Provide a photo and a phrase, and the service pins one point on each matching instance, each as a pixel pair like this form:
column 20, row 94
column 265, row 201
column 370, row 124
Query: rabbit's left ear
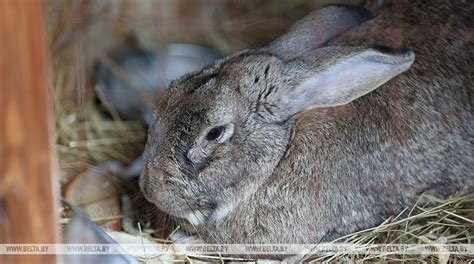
column 316, row 29
column 331, row 76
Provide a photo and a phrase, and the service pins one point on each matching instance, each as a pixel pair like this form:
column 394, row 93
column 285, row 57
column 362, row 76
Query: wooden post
column 28, row 184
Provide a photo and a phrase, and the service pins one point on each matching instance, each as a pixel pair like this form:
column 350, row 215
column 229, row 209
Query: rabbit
column 329, row 129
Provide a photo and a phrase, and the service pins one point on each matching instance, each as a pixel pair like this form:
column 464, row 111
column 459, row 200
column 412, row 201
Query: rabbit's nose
column 149, row 189
column 145, row 186
column 152, row 181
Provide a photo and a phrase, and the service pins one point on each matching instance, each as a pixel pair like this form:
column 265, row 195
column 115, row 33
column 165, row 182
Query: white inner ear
column 350, row 79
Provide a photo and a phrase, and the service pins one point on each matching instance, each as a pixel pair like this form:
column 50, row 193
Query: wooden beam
column 27, row 164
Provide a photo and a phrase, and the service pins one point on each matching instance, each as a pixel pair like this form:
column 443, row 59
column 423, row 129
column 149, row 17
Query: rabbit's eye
column 215, row 133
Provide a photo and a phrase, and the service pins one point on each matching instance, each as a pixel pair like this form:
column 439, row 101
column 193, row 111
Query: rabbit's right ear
column 317, row 28
column 327, row 77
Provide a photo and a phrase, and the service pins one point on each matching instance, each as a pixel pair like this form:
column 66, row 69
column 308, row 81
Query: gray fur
column 328, row 171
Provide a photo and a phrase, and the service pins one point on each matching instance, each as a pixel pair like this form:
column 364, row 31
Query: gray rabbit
column 303, row 141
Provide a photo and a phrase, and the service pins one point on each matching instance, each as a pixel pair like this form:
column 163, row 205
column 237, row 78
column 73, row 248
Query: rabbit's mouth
column 221, row 212
column 197, row 218
column 200, row 217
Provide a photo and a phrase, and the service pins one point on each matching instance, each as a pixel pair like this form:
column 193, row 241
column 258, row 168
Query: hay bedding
column 91, row 134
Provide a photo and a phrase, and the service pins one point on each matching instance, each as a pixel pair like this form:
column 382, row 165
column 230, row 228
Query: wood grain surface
column 27, row 163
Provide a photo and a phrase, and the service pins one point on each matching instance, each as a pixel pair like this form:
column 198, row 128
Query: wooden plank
column 27, row 164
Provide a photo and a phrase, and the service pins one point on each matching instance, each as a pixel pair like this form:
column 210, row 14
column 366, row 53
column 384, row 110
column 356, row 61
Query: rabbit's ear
column 333, row 76
column 317, row 28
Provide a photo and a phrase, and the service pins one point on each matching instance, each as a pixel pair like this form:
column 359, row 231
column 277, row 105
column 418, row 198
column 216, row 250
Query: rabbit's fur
column 299, row 160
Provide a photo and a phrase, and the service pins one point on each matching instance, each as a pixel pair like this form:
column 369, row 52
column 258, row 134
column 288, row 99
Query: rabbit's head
column 220, row 133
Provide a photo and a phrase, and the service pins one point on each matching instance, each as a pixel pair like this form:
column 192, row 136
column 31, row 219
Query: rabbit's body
column 370, row 159
column 328, row 171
